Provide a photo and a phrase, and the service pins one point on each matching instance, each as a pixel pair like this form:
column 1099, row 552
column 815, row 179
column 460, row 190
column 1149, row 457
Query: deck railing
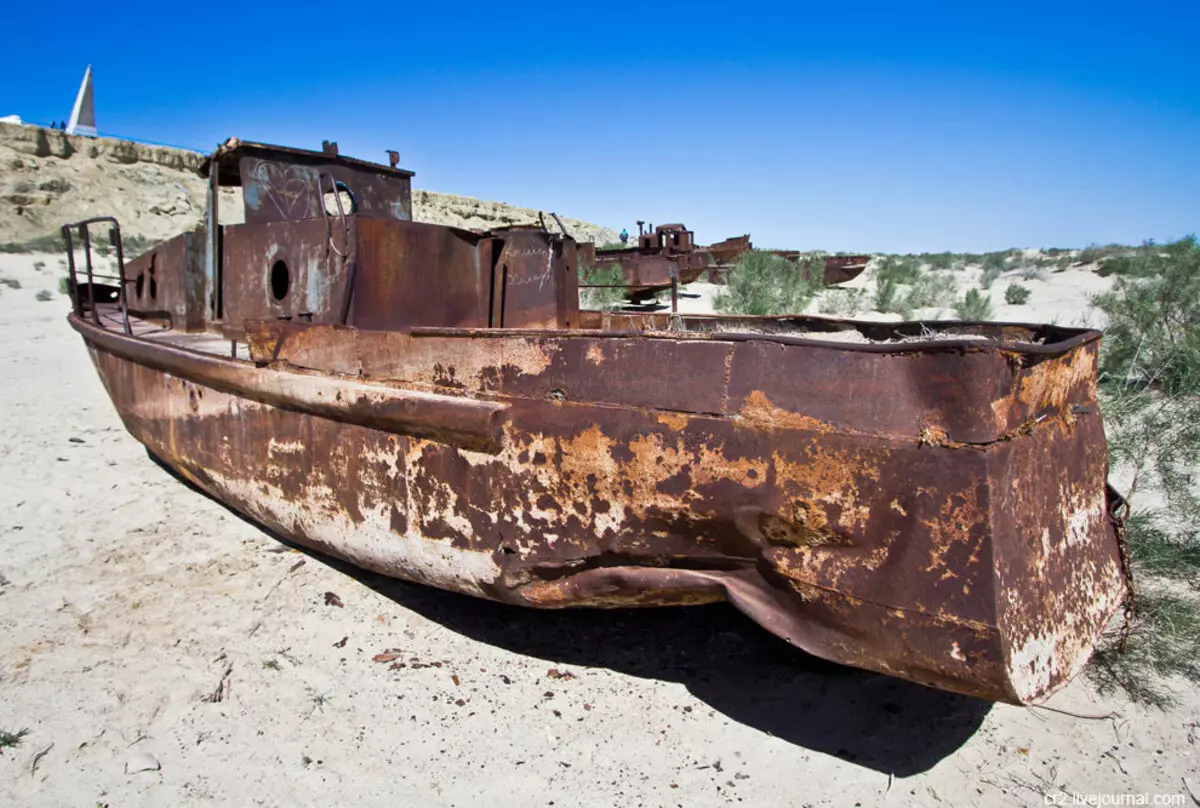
column 114, row 239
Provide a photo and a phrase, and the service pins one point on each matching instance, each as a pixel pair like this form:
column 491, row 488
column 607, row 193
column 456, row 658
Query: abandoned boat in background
column 667, row 257
column 432, row 404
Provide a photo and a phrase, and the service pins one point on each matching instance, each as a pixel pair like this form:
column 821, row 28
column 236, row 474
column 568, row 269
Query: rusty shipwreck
column 924, row 500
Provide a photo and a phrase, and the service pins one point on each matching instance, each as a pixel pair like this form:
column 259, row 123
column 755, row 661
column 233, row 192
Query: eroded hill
column 48, row 177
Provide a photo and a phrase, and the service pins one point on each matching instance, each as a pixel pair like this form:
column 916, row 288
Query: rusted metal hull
column 931, row 511
column 645, row 273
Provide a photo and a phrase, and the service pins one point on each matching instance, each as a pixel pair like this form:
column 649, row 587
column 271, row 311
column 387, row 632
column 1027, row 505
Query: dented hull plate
column 945, row 521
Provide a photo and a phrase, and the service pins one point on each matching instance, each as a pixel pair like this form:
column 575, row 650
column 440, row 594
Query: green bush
column 887, row 294
column 64, row 285
column 763, row 283
column 1016, row 295
column 11, row 283
column 933, row 289
column 610, row 246
column 898, row 270
column 51, row 242
column 997, row 261
column 975, row 305
column 1150, row 395
column 44, row 294
column 942, row 260
column 842, row 302
column 602, row 298
column 1094, row 253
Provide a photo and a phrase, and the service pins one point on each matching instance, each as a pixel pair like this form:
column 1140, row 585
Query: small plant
column 763, row 283
column 52, row 242
column 1094, row 253
column 43, row 295
column 887, row 294
column 608, row 292
column 942, row 260
column 39, row 265
column 930, row 290
column 11, row 283
column 842, row 302
column 990, row 273
column 271, row 664
column 975, row 305
column 318, row 700
column 610, row 246
column 1120, row 265
column 11, row 740
column 1150, row 397
column 1016, row 295
column 64, row 285
column 899, row 271
column 997, row 261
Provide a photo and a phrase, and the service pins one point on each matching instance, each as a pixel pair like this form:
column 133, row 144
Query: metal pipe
column 114, row 236
column 75, row 302
column 87, row 251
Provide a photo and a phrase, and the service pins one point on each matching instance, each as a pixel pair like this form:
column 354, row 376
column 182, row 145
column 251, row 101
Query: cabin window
column 349, row 203
column 281, row 280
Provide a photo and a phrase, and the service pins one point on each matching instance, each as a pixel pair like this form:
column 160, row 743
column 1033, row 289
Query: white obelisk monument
column 83, row 116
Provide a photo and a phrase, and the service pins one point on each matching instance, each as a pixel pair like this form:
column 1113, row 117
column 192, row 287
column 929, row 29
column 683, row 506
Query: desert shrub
column 602, row 298
column 995, row 260
column 610, row 246
column 39, row 265
column 763, row 283
column 899, row 270
column 842, row 302
column 974, row 305
column 1119, row 265
column 943, row 260
column 1016, row 294
column 44, row 294
column 934, row 289
column 1150, row 395
column 11, row 283
column 1153, row 335
column 51, row 242
column 990, row 273
column 64, row 285
column 888, row 294
column 1094, row 253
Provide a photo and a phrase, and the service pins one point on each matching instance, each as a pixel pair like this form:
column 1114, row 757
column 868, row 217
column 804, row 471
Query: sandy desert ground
column 163, row 651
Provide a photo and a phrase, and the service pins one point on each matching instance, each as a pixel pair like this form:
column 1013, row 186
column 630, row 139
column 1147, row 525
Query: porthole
column 349, row 203
column 281, row 280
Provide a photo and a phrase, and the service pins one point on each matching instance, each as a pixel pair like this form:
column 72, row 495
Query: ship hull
column 938, row 515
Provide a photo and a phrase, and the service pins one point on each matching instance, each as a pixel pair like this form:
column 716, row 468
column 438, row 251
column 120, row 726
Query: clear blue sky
column 841, row 126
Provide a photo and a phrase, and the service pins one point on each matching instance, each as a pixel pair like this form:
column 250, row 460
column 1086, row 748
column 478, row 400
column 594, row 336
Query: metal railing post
column 75, row 301
column 114, row 235
column 85, row 235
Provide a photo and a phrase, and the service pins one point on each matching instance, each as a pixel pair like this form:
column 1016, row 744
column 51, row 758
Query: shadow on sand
column 722, row 658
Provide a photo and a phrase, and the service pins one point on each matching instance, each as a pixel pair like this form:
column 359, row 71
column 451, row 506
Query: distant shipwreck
column 926, row 500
